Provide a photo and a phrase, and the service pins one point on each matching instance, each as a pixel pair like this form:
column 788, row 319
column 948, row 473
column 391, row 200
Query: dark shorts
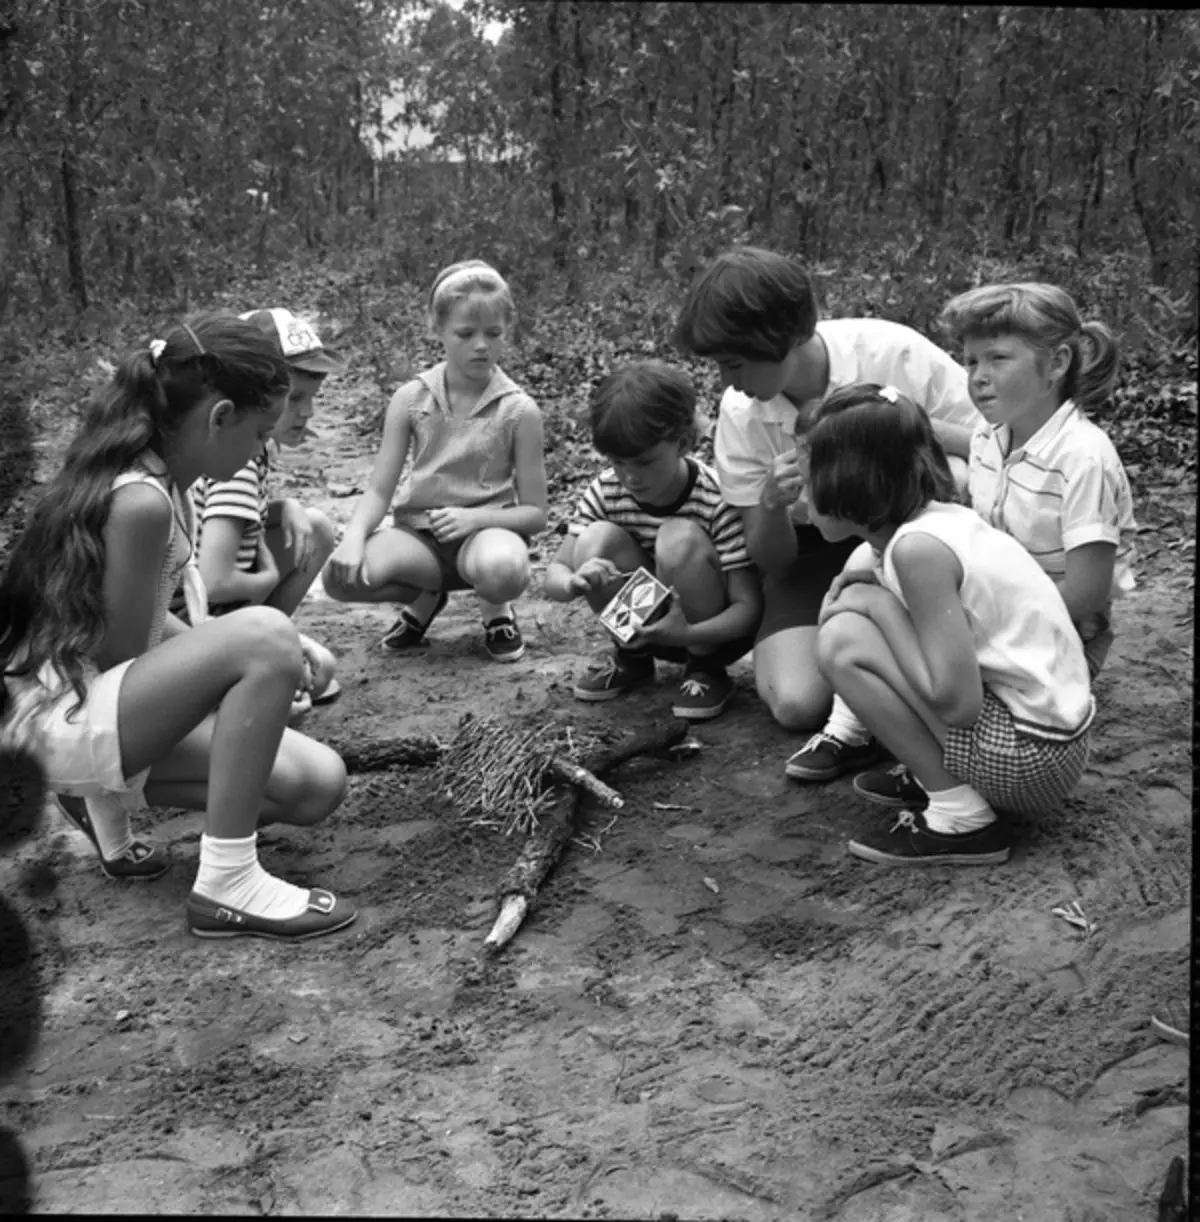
column 793, row 599
column 446, row 554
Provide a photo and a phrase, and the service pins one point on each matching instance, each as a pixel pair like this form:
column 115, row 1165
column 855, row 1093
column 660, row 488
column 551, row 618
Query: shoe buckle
column 321, row 901
column 229, row 916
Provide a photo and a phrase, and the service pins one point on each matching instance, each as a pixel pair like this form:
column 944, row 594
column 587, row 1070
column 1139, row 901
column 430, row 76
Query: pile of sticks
column 531, row 780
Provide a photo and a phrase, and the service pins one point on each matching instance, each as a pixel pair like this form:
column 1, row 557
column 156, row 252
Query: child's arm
column 770, row 537
column 223, row 580
column 562, row 581
column 931, row 641
column 136, row 536
column 1086, row 586
column 290, row 516
column 955, row 438
column 347, row 557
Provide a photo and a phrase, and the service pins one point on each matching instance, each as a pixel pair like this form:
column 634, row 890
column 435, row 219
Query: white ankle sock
column 422, row 607
column 109, row 816
column 490, row 611
column 956, row 811
column 230, row 873
column 844, row 726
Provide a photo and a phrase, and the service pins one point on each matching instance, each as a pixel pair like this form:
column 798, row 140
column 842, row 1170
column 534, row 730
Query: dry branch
column 544, row 846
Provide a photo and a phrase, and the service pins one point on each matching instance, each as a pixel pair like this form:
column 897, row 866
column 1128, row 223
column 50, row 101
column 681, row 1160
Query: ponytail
column 1093, row 370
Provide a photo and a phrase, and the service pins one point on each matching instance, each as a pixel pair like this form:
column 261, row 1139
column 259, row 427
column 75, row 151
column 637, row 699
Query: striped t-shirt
column 606, row 500
column 243, row 497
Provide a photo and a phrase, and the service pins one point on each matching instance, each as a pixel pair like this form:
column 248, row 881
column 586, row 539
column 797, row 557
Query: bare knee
column 800, row 709
column 265, row 640
column 314, row 783
column 838, row 645
column 324, row 535
column 680, row 544
column 503, row 574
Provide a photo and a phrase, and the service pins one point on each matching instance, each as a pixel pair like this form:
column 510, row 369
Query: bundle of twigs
column 497, row 774
column 520, row 884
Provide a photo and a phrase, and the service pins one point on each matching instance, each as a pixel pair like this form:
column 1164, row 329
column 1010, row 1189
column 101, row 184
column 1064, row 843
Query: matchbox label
column 641, row 600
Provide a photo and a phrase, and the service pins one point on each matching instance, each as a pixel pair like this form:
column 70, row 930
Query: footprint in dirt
column 22, row 795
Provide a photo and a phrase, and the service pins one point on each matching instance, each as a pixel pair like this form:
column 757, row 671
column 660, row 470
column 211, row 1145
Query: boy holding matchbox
column 655, row 550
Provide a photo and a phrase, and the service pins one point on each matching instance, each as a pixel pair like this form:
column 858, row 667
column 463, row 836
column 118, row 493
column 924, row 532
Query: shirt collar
column 435, row 381
column 1042, row 438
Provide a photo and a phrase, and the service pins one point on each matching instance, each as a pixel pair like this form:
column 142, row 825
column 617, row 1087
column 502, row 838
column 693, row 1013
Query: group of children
column 921, row 558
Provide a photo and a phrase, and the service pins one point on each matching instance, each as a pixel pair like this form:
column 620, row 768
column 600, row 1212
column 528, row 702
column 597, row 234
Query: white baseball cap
column 299, row 344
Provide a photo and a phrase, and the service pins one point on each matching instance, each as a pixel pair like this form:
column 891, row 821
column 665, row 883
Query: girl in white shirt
column 955, row 649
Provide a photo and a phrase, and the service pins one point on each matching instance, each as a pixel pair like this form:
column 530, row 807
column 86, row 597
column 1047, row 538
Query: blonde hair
column 1045, row 316
column 459, row 281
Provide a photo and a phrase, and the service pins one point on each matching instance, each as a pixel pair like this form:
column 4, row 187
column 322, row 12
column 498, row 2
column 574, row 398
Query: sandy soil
column 715, row 1014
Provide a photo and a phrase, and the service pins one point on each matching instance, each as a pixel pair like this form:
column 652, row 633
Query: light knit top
column 1029, row 653
column 466, row 461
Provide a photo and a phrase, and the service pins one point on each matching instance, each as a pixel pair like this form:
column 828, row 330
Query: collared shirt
column 467, row 461
column 750, row 433
column 1063, row 488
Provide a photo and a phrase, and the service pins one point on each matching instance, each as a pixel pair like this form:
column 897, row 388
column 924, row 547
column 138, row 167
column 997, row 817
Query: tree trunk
column 560, row 240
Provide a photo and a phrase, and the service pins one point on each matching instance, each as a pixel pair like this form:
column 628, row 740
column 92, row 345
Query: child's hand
column 297, row 532
column 670, row 628
column 785, row 481
column 839, row 584
column 346, row 563
column 447, row 525
column 593, row 574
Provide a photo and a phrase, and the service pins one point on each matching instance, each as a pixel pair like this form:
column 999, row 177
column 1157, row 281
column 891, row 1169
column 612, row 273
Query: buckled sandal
column 142, row 861
column 325, row 913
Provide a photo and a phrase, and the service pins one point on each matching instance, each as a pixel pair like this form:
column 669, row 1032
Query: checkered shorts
column 1014, row 771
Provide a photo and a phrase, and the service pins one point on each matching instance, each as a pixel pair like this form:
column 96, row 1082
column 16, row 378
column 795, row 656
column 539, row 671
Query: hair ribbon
column 157, row 348
column 889, row 394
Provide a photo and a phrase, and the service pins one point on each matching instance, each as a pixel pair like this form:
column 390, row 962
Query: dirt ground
column 713, row 1011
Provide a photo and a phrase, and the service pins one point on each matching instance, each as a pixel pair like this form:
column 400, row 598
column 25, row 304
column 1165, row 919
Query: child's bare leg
column 496, row 563
column 789, row 680
column 685, row 558
column 295, row 582
column 399, row 568
column 855, row 657
column 249, row 664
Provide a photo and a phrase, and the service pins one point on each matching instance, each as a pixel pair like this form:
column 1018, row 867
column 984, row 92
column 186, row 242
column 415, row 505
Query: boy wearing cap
column 254, row 550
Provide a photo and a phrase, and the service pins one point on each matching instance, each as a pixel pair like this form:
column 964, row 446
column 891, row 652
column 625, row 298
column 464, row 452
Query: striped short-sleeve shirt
column 1063, row 488
column 606, row 500
column 243, row 497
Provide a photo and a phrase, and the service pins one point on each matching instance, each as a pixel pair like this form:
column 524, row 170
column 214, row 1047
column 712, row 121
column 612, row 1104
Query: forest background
column 162, row 157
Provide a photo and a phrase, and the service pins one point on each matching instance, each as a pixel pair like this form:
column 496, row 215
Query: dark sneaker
column 894, row 786
column 824, row 757
column 502, row 639
column 407, row 632
column 703, row 694
column 910, row 842
column 614, row 676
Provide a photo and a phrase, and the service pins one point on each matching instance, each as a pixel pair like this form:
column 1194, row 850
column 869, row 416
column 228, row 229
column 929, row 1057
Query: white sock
column 956, row 811
column 230, row 873
column 490, row 611
column 110, row 822
column 422, row 607
column 844, row 726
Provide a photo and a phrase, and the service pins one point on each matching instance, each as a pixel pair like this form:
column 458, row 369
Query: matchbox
column 641, row 600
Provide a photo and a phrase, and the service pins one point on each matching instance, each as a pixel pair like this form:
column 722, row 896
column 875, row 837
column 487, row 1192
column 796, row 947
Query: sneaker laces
column 905, row 819
column 604, row 669
column 819, row 738
column 693, row 685
column 507, row 630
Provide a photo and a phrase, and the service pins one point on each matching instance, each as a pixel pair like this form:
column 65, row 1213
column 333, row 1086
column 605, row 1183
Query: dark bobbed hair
column 1045, row 316
column 872, row 461
column 51, row 591
column 637, row 406
column 748, row 302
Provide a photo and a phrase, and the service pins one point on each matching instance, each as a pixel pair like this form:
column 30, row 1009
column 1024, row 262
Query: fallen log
column 544, row 846
column 376, row 754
